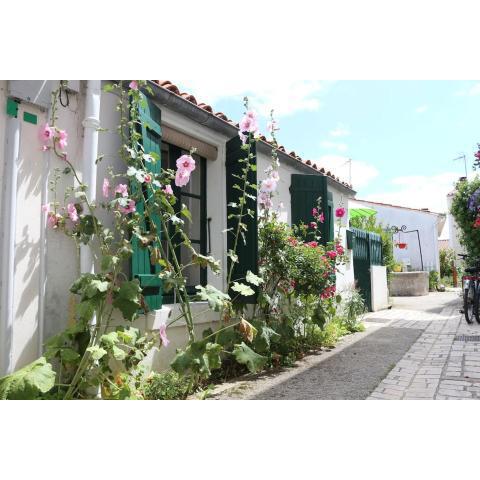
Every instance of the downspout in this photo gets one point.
(12, 148)
(91, 124)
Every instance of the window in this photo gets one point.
(194, 196)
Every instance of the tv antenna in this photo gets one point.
(464, 158)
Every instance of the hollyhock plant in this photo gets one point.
(313, 225)
(129, 209)
(52, 220)
(274, 176)
(265, 200)
(106, 188)
(72, 213)
(182, 177)
(47, 133)
(122, 189)
(249, 122)
(168, 190)
(268, 185)
(340, 212)
(314, 212)
(321, 218)
(163, 335)
(133, 85)
(186, 163)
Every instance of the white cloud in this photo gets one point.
(362, 172)
(471, 92)
(418, 191)
(341, 147)
(421, 109)
(283, 95)
(340, 131)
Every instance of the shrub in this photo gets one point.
(465, 217)
(447, 261)
(167, 386)
(352, 310)
(433, 279)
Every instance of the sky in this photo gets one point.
(402, 136)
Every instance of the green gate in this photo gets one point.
(367, 251)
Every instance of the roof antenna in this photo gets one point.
(464, 158)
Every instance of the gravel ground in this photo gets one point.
(352, 370)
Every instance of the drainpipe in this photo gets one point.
(91, 124)
(12, 148)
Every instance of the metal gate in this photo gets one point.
(367, 251)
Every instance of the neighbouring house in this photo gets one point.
(416, 241)
(38, 265)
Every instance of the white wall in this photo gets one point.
(453, 230)
(425, 222)
(379, 287)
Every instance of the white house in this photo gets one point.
(419, 229)
(38, 265)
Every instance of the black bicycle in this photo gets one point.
(471, 291)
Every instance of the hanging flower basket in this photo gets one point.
(402, 246)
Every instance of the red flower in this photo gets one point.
(340, 249)
(312, 244)
(477, 223)
(332, 254)
(340, 212)
(313, 225)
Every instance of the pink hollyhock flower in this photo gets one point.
(163, 335)
(274, 175)
(265, 200)
(243, 137)
(321, 218)
(332, 254)
(313, 225)
(106, 188)
(168, 190)
(186, 163)
(182, 177)
(249, 122)
(46, 207)
(314, 212)
(52, 220)
(62, 134)
(312, 244)
(340, 212)
(340, 249)
(62, 144)
(72, 212)
(122, 189)
(45, 148)
(133, 85)
(147, 178)
(268, 185)
(47, 132)
(129, 209)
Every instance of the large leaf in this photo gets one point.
(253, 279)
(97, 352)
(215, 298)
(28, 382)
(199, 357)
(242, 289)
(264, 337)
(246, 356)
(127, 299)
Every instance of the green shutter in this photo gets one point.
(304, 193)
(142, 267)
(331, 217)
(247, 252)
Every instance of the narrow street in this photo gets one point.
(416, 350)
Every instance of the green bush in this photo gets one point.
(433, 279)
(352, 310)
(167, 386)
(447, 261)
(464, 217)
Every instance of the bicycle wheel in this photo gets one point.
(476, 305)
(469, 301)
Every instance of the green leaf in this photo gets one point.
(264, 337)
(109, 261)
(118, 353)
(242, 289)
(28, 382)
(206, 261)
(109, 339)
(215, 298)
(127, 299)
(246, 356)
(253, 279)
(97, 352)
(69, 355)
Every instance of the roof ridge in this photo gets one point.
(398, 206)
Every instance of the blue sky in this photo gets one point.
(401, 135)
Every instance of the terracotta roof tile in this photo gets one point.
(205, 107)
(189, 97)
(222, 116)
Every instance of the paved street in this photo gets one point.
(443, 364)
(413, 351)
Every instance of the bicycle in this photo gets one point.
(471, 291)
